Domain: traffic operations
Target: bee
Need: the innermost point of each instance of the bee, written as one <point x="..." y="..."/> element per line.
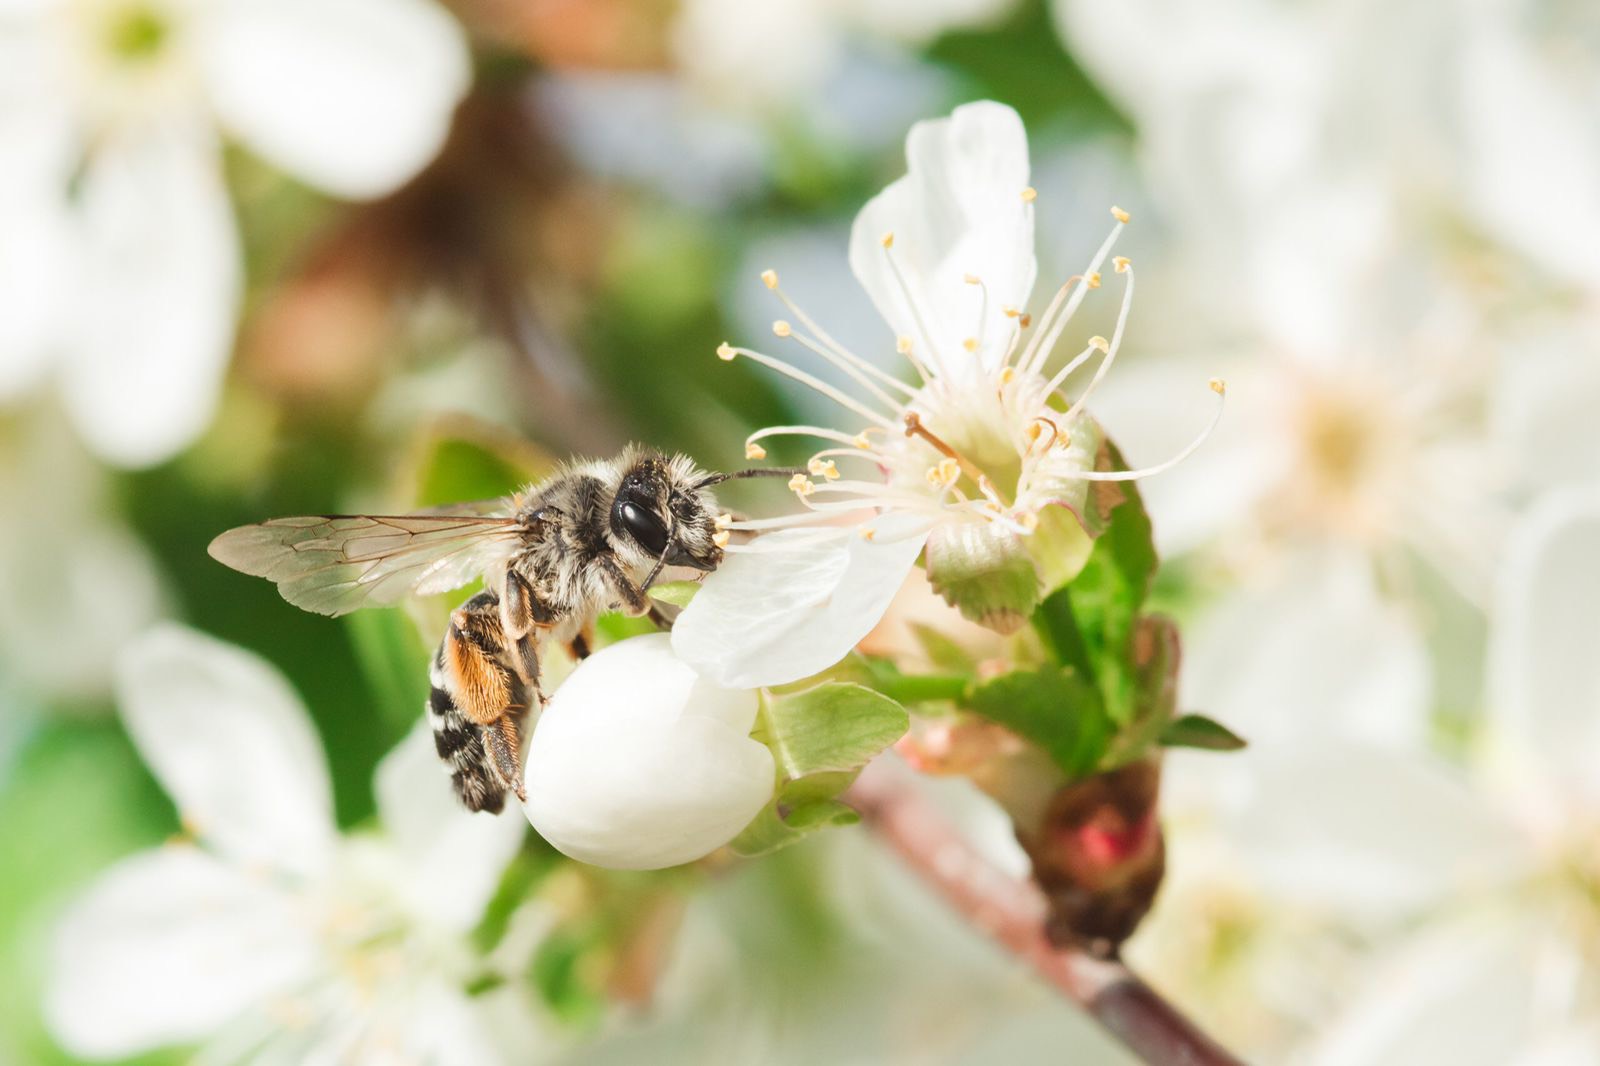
<point x="592" y="538"/>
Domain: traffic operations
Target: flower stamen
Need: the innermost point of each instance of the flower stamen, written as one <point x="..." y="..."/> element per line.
<point x="727" y="352"/>
<point x="915" y="428"/>
<point x="1219" y="387"/>
<point x="835" y="352"/>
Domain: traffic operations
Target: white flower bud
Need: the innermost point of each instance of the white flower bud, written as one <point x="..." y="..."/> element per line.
<point x="638" y="763"/>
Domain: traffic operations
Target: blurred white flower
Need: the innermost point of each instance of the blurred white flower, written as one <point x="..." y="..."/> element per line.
<point x="1338" y="267"/>
<point x="270" y="937"/>
<point x="79" y="583"/>
<point x="121" y="266"/>
<point x="1508" y="976"/>
<point x="637" y="763"/>
<point x="755" y="54"/>
<point x="978" y="461"/>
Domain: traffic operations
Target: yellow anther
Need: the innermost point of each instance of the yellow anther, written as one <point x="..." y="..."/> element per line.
<point x="823" y="468"/>
<point x="1119" y="214"/>
<point x="972" y="279"/>
<point x="902" y="344"/>
<point x="726" y="352"/>
<point x="1007" y="375"/>
<point x="721" y="539"/>
<point x="1036" y="429"/>
<point x="1029" y="194"/>
<point x="862" y="441"/>
<point x="754" y="451"/>
<point x="1219" y="386"/>
<point x="802" y="485"/>
<point x="1010" y="311"/>
<point x="867" y="532"/>
<point x="1122" y="263"/>
<point x="1093" y="280"/>
<point x="946" y="473"/>
<point x="1028" y="520"/>
<point x="769" y="278"/>
<point x="723" y="521"/>
<point x="782" y="328"/>
<point x="970" y="344"/>
<point x="887" y="239"/>
<point x="1026" y="321"/>
<point x="1099" y="343"/>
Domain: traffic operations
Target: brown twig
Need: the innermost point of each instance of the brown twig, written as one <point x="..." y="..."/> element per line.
<point x="1012" y="913"/>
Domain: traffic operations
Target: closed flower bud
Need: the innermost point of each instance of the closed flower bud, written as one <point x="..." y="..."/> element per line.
<point x="638" y="763"/>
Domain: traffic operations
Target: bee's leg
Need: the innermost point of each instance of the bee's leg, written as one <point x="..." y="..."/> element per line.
<point x="485" y="669"/>
<point x="633" y="598"/>
<point x="521" y="615"/>
<point x="659" y="617"/>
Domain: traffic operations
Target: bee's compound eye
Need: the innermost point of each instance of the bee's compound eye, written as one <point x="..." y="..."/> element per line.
<point x="644" y="527"/>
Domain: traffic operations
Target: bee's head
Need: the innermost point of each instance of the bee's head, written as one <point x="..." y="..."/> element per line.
<point x="664" y="507"/>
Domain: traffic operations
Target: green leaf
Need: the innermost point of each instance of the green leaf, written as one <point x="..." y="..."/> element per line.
<point x="1198" y="731"/>
<point x="1056" y="708"/>
<point x="1057" y="625"/>
<point x="985" y="572"/>
<point x="676" y="593"/>
<point x="943" y="652"/>
<point x="461" y="460"/>
<point x="820" y="740"/>
<point x="393" y="659"/>
<point x="834" y="726"/>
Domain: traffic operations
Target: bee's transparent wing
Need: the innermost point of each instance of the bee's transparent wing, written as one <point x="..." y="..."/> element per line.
<point x="334" y="564"/>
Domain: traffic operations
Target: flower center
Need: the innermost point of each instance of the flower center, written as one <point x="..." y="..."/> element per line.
<point x="976" y="437"/>
<point x="137" y="34"/>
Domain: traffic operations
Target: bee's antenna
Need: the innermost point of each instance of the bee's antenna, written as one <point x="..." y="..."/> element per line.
<point x="760" y="471"/>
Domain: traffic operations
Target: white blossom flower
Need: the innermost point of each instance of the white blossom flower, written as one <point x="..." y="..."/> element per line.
<point x="269" y="937"/>
<point x="638" y="763"/>
<point x="980" y="460"/>
<point x="1508" y="975"/>
<point x="764" y="52"/>
<point x="121" y="267"/>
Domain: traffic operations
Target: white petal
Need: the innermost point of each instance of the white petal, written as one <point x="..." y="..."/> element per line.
<point x="958" y="211"/>
<point x="1312" y="650"/>
<point x="1458" y="996"/>
<point x="443" y="1027"/>
<point x="229" y="740"/>
<point x="1532" y="162"/>
<point x="453" y="858"/>
<point x="166" y="947"/>
<point x="154" y="316"/>
<point x="1543" y="405"/>
<point x="1362" y="829"/>
<point x="1544" y="657"/>
<point x="638" y="763"/>
<point x="354" y="96"/>
<point x="776" y="616"/>
<point x="36" y="142"/>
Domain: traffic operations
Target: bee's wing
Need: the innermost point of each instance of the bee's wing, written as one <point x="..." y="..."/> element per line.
<point x="334" y="564"/>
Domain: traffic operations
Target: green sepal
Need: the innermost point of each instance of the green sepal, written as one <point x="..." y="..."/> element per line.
<point x="820" y="739"/>
<point x="1154" y="652"/>
<point x="1109" y="592"/>
<point x="1198" y="731"/>
<point x="984" y="571"/>
<point x="1055" y="707"/>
